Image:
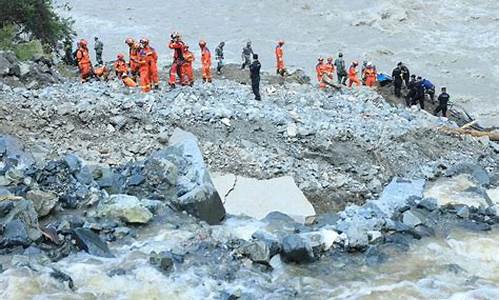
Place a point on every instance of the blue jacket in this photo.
(427, 84)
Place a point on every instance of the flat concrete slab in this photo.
(256, 198)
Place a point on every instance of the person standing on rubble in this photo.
(246, 54)
(98, 47)
(219, 57)
(255, 76)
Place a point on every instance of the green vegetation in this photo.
(29, 26)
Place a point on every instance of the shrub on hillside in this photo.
(35, 18)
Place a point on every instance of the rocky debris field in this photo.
(339, 147)
(97, 168)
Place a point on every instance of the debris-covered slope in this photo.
(339, 147)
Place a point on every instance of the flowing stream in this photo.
(463, 265)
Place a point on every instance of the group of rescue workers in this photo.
(142, 69)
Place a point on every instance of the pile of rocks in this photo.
(116, 196)
(33, 74)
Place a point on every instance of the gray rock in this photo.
(118, 122)
(424, 231)
(463, 212)
(73, 163)
(5, 208)
(163, 261)
(357, 237)
(411, 219)
(272, 242)
(90, 242)
(200, 198)
(84, 176)
(429, 204)
(43, 202)
(107, 179)
(11, 149)
(124, 207)
(14, 234)
(5, 64)
(296, 249)
(397, 195)
(315, 241)
(23, 211)
(476, 171)
(257, 251)
(157, 180)
(163, 137)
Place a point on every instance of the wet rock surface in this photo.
(91, 243)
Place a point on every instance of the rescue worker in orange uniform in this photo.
(83, 59)
(177, 45)
(280, 62)
(370, 75)
(133, 57)
(353, 74)
(329, 67)
(206, 62)
(187, 67)
(120, 66)
(151, 62)
(320, 69)
(127, 81)
(101, 73)
(145, 83)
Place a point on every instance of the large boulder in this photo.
(20, 222)
(124, 207)
(196, 193)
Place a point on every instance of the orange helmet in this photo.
(83, 42)
(144, 41)
(281, 42)
(202, 43)
(129, 41)
(329, 59)
(120, 56)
